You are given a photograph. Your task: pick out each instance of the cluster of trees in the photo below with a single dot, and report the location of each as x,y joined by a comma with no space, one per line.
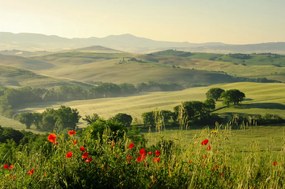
67,118
239,120
182,115
240,56
232,96
51,119
120,118
11,98
116,126
193,112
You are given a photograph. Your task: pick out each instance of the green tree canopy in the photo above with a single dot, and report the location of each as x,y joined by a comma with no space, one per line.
233,96
148,119
214,93
210,104
123,118
91,118
26,118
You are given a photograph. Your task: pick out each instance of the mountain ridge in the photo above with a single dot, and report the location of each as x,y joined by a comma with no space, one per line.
128,43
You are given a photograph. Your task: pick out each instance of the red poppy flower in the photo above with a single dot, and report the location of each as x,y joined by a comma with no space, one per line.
30,172
6,166
129,158
52,138
156,159
11,167
82,149
88,160
157,153
139,159
142,152
71,132
85,155
205,142
274,163
209,148
149,153
74,142
68,154
131,146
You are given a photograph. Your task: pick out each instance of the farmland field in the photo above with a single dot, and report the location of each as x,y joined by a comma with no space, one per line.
267,138
261,98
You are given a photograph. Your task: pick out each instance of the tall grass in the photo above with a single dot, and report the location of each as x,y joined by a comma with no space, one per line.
207,160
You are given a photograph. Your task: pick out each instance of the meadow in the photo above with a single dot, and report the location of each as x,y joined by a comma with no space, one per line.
220,158
261,98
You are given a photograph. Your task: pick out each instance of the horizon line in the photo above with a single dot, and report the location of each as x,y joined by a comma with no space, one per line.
134,35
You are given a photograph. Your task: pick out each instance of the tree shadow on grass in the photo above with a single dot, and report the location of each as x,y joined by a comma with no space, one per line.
263,106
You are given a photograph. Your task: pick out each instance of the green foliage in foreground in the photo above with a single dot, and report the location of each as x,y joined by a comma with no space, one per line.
82,161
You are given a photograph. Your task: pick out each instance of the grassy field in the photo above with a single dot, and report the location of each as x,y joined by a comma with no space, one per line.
15,77
261,98
267,138
251,158
7,122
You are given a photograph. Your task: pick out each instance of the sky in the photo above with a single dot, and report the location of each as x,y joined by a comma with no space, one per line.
228,21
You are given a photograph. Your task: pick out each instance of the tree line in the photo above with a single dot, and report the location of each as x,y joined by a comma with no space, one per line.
182,115
188,114
11,98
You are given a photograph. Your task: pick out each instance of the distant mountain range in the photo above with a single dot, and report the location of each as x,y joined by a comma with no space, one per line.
125,42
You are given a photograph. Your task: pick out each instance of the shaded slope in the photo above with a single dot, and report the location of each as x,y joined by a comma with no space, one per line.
15,77
24,63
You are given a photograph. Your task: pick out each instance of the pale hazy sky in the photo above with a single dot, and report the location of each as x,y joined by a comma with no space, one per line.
229,21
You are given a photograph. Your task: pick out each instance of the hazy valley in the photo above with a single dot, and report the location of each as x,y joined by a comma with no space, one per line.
153,92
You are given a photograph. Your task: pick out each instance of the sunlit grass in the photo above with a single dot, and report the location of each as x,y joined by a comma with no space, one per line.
135,105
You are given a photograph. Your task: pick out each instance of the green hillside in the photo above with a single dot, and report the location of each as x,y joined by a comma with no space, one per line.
7,122
266,65
261,98
24,63
125,68
101,64
14,77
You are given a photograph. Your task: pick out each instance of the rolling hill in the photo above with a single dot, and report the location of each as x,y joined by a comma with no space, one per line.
265,65
15,77
261,98
21,53
125,68
100,64
24,63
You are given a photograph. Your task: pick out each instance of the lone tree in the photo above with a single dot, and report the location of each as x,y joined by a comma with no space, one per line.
233,96
26,118
214,93
123,118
